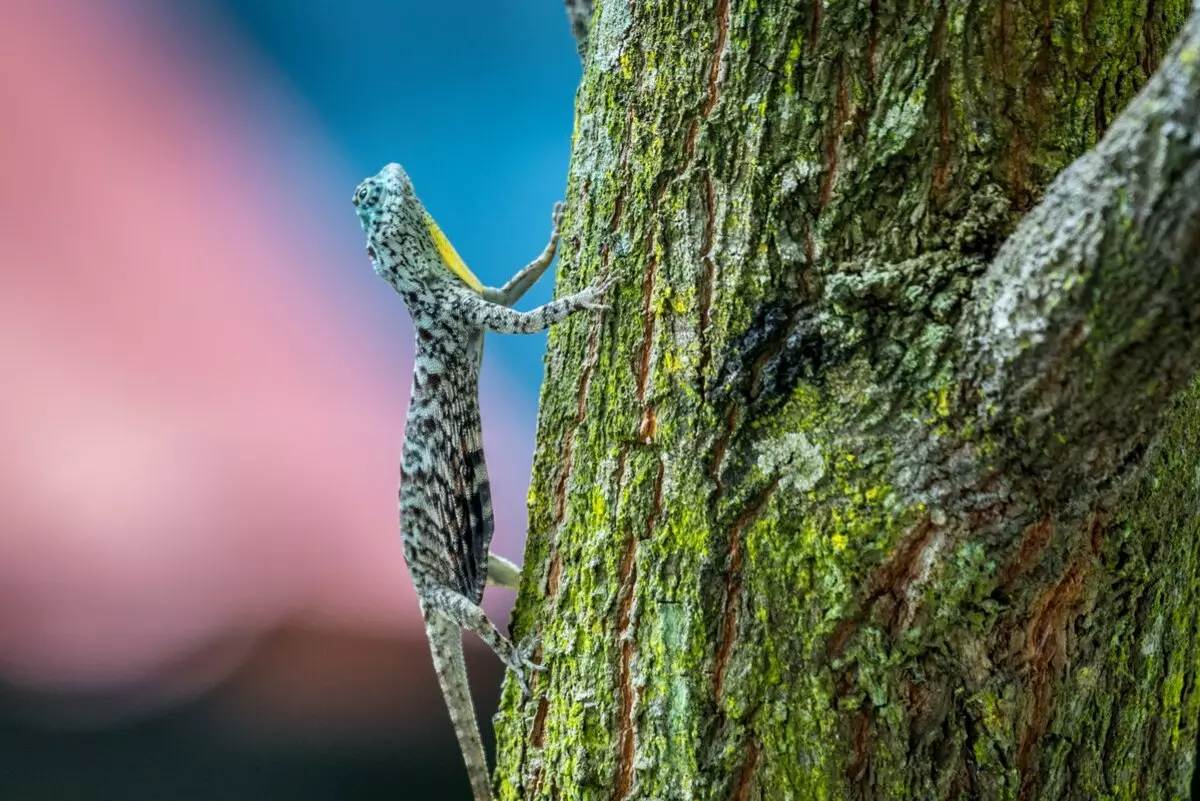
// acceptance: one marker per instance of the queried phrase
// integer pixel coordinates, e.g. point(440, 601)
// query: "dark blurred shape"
point(313, 716)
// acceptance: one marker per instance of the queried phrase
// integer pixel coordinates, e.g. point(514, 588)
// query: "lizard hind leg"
point(502, 573)
point(445, 644)
point(460, 611)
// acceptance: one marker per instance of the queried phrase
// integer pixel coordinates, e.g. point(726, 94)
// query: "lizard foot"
point(521, 662)
point(589, 297)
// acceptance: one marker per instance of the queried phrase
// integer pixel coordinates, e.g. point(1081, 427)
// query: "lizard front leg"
point(519, 284)
point(483, 313)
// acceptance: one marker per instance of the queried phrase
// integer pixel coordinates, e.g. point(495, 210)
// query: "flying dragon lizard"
point(445, 500)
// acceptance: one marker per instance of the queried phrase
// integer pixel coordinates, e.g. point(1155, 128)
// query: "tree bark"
point(881, 477)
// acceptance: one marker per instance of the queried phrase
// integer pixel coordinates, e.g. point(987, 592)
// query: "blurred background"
point(203, 384)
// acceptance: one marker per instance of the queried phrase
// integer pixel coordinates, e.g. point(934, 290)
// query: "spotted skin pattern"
point(445, 499)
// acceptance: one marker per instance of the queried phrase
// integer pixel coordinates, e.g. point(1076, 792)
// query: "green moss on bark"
point(741, 564)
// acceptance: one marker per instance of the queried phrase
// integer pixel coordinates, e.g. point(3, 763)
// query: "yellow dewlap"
point(451, 257)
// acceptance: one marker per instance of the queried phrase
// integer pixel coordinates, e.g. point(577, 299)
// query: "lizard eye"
point(366, 196)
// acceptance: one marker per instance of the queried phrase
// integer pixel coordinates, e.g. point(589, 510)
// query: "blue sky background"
point(475, 100)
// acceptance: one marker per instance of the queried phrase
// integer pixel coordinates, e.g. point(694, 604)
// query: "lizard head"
point(402, 237)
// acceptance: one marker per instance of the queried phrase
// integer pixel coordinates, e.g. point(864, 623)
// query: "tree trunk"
point(881, 477)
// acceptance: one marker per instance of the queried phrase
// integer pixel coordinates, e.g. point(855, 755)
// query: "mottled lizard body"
point(445, 501)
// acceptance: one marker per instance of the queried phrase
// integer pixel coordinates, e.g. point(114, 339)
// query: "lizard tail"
point(445, 643)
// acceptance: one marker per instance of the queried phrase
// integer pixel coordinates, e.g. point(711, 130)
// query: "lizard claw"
point(521, 663)
point(527, 648)
point(596, 291)
point(556, 215)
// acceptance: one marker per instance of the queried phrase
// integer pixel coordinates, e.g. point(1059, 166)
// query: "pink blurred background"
point(201, 412)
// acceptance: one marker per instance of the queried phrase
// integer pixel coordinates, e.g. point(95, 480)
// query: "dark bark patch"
point(833, 140)
point(858, 767)
point(1101, 108)
point(649, 425)
point(733, 587)
point(553, 576)
point(1151, 54)
point(718, 455)
point(781, 346)
point(891, 581)
point(745, 781)
point(627, 579)
point(1033, 542)
point(841, 635)
point(714, 70)
point(538, 735)
point(1046, 655)
point(1045, 634)
point(873, 42)
point(766, 332)
point(894, 578)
